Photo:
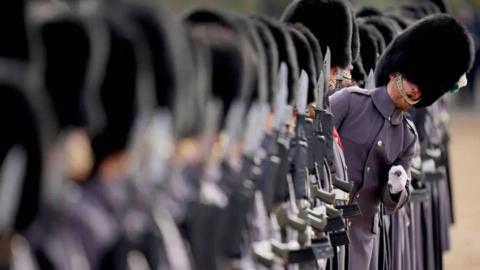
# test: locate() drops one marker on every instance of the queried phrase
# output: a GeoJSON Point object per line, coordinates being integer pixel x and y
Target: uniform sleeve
{"type": "Point", "coordinates": [394, 202]}
{"type": "Point", "coordinates": [339, 106]}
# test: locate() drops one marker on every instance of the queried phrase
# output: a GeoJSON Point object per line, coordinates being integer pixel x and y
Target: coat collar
{"type": "Point", "coordinates": [385, 106]}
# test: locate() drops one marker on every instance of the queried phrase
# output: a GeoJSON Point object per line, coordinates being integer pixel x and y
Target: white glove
{"type": "Point", "coordinates": [397, 179]}
{"type": "Point", "coordinates": [428, 166]}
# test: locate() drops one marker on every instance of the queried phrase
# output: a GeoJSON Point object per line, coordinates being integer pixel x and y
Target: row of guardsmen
{"type": "Point", "coordinates": [133, 138]}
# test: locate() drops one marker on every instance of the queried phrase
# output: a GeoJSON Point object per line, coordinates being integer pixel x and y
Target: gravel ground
{"type": "Point", "coordinates": [465, 158]}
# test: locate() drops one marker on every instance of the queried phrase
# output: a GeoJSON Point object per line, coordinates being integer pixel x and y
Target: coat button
{"type": "Point", "coordinates": [357, 196]}
{"type": "Point", "coordinates": [368, 169]}
{"type": "Point", "coordinates": [379, 143]}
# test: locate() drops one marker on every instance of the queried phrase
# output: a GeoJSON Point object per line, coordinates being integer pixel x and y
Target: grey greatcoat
{"type": "Point", "coordinates": [375, 137]}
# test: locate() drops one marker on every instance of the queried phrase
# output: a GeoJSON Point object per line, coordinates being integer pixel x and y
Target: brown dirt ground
{"type": "Point", "coordinates": [465, 158]}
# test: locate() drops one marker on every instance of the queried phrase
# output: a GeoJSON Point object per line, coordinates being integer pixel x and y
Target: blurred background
{"type": "Point", "coordinates": [464, 128]}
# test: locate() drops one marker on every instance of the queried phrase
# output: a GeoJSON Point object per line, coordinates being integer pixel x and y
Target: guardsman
{"type": "Point", "coordinates": [378, 140]}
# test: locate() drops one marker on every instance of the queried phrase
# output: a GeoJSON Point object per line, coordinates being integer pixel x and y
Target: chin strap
{"type": "Point", "coordinates": [401, 90]}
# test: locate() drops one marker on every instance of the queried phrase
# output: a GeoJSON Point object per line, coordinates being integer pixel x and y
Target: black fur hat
{"type": "Point", "coordinates": [330, 21]}
{"type": "Point", "coordinates": [430, 7]}
{"type": "Point", "coordinates": [418, 10]}
{"type": "Point", "coordinates": [21, 131]}
{"type": "Point", "coordinates": [65, 85]}
{"type": "Point", "coordinates": [286, 51]}
{"type": "Point", "coordinates": [21, 138]}
{"type": "Point", "coordinates": [13, 28]}
{"type": "Point", "coordinates": [166, 54]}
{"type": "Point", "coordinates": [232, 55]}
{"type": "Point", "coordinates": [111, 97]}
{"type": "Point", "coordinates": [402, 21]}
{"type": "Point", "coordinates": [386, 26]}
{"type": "Point", "coordinates": [314, 46]}
{"type": "Point", "coordinates": [441, 4]}
{"type": "Point", "coordinates": [305, 60]}
{"type": "Point", "coordinates": [259, 59]}
{"type": "Point", "coordinates": [433, 53]}
{"type": "Point", "coordinates": [378, 37]}
{"type": "Point", "coordinates": [411, 11]}
{"type": "Point", "coordinates": [271, 56]}
{"type": "Point", "coordinates": [227, 63]}
{"type": "Point", "coordinates": [371, 46]}
{"type": "Point", "coordinates": [206, 15]}
{"type": "Point", "coordinates": [358, 73]}
{"type": "Point", "coordinates": [368, 11]}
{"type": "Point", "coordinates": [355, 39]}
{"type": "Point", "coordinates": [167, 48]}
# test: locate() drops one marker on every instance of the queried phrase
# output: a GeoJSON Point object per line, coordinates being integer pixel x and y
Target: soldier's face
{"type": "Point", "coordinates": [412, 90]}
{"type": "Point", "coordinates": [404, 93]}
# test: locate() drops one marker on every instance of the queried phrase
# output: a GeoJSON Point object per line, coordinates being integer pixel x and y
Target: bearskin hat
{"type": "Point", "coordinates": [12, 24]}
{"type": "Point", "coordinates": [314, 46]}
{"type": "Point", "coordinates": [305, 60]}
{"type": "Point", "coordinates": [368, 11]}
{"type": "Point", "coordinates": [441, 4]}
{"type": "Point", "coordinates": [371, 46]}
{"type": "Point", "coordinates": [286, 50]}
{"type": "Point", "coordinates": [402, 21]}
{"type": "Point", "coordinates": [355, 39]}
{"type": "Point", "coordinates": [16, 113]}
{"type": "Point", "coordinates": [433, 54]}
{"type": "Point", "coordinates": [271, 56]}
{"type": "Point", "coordinates": [358, 72]}
{"type": "Point", "coordinates": [168, 57]}
{"type": "Point", "coordinates": [259, 60]}
{"type": "Point", "coordinates": [330, 21]}
{"type": "Point", "coordinates": [386, 26]}
{"type": "Point", "coordinates": [64, 86]}
{"type": "Point", "coordinates": [418, 10]}
{"type": "Point", "coordinates": [116, 95]}
{"type": "Point", "coordinates": [232, 55]}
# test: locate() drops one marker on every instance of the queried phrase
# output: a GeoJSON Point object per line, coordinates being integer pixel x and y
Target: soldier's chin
{"type": "Point", "coordinates": [401, 104]}
{"type": "Point", "coordinates": [405, 105]}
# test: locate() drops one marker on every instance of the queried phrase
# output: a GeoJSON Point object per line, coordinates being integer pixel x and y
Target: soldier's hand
{"type": "Point", "coordinates": [397, 179]}
{"type": "Point", "coordinates": [428, 166]}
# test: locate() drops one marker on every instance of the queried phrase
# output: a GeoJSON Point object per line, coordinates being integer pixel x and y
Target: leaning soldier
{"type": "Point", "coordinates": [378, 140]}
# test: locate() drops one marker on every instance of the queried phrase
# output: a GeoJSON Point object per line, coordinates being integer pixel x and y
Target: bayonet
{"type": "Point", "coordinates": [370, 84]}
{"type": "Point", "coordinates": [253, 135]}
{"type": "Point", "coordinates": [281, 97]}
{"type": "Point", "coordinates": [234, 124]}
{"type": "Point", "coordinates": [212, 117]}
{"type": "Point", "coordinates": [302, 93]}
{"type": "Point", "coordinates": [320, 91]}
{"type": "Point", "coordinates": [11, 181]}
{"type": "Point", "coordinates": [326, 71]}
